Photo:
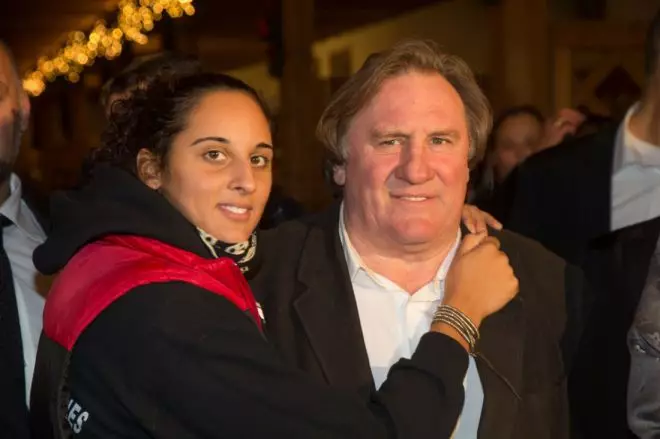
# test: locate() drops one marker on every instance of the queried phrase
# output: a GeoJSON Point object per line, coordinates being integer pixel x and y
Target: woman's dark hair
{"type": "Point", "coordinates": [151, 118]}
{"type": "Point", "coordinates": [146, 70]}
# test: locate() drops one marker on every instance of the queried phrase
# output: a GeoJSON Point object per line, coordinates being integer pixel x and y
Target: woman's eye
{"type": "Point", "coordinates": [259, 161]}
{"type": "Point", "coordinates": [215, 155]}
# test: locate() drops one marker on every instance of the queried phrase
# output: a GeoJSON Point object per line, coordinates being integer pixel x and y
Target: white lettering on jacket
{"type": "Point", "coordinates": [76, 416]}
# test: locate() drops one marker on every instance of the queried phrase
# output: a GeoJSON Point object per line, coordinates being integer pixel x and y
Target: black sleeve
{"type": "Point", "coordinates": [175, 361]}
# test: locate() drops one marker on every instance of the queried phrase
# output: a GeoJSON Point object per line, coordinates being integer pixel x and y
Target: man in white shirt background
{"type": "Point", "coordinates": [596, 202]}
{"type": "Point", "coordinates": [22, 289]}
{"type": "Point", "coordinates": [642, 139]}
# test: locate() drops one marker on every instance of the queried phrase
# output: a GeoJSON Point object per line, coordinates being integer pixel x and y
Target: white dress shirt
{"type": "Point", "coordinates": [20, 240]}
{"type": "Point", "coordinates": [393, 321]}
{"type": "Point", "coordinates": [635, 178]}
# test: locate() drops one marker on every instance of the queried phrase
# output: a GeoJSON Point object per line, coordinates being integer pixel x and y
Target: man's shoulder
{"type": "Point", "coordinates": [542, 273]}
{"type": "Point", "coordinates": [291, 235]}
{"type": "Point", "coordinates": [527, 254]}
{"type": "Point", "coordinates": [297, 247]}
{"type": "Point", "coordinates": [521, 244]}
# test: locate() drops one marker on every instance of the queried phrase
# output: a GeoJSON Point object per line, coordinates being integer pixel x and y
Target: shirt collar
{"type": "Point", "coordinates": [14, 209]}
{"type": "Point", "coordinates": [632, 150]}
{"type": "Point", "coordinates": [355, 263]}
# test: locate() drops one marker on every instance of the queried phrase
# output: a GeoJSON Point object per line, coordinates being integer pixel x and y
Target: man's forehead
{"type": "Point", "coordinates": [417, 87]}
{"type": "Point", "coordinates": [425, 102]}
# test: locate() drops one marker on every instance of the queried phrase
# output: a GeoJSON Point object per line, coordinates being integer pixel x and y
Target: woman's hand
{"type": "Point", "coordinates": [479, 283]}
{"type": "Point", "coordinates": [477, 221]}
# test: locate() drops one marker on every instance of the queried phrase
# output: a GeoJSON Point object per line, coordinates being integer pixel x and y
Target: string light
{"type": "Point", "coordinates": [134, 19]}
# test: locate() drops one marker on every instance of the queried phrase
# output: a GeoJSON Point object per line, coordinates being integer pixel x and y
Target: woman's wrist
{"type": "Point", "coordinates": [449, 331]}
{"type": "Point", "coordinates": [462, 327]}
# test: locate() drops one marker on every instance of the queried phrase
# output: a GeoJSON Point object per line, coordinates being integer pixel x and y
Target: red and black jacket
{"type": "Point", "coordinates": [100, 274]}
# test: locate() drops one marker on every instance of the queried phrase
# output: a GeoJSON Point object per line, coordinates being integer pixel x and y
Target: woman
{"type": "Point", "coordinates": [151, 331]}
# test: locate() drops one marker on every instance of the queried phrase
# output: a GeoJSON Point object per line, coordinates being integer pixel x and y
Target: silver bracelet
{"type": "Point", "coordinates": [461, 316]}
{"type": "Point", "coordinates": [460, 322]}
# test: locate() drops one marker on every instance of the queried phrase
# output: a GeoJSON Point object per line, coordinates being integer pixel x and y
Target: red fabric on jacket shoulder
{"type": "Point", "coordinates": [105, 270]}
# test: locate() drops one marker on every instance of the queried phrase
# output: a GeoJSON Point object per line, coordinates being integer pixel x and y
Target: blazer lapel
{"type": "Point", "coordinates": [328, 311]}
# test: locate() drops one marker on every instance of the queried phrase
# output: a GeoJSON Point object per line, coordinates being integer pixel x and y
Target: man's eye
{"type": "Point", "coordinates": [390, 142]}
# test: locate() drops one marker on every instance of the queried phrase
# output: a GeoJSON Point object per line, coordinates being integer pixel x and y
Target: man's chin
{"type": "Point", "coordinates": [420, 232]}
{"type": "Point", "coordinates": [412, 236]}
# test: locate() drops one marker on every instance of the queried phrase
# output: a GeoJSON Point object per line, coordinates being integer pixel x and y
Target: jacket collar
{"type": "Point", "coordinates": [327, 308]}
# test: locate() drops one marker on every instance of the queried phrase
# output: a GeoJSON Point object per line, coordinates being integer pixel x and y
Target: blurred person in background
{"type": "Point", "coordinates": [22, 289]}
{"type": "Point", "coordinates": [595, 200]}
{"type": "Point", "coordinates": [163, 338]}
{"type": "Point", "coordinates": [518, 133]}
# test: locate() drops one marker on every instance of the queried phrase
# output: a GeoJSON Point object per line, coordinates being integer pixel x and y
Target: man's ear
{"type": "Point", "coordinates": [339, 174]}
{"type": "Point", "coordinates": [149, 169]}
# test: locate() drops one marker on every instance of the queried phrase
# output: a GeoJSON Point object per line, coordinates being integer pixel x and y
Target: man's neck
{"type": "Point", "coordinates": [410, 268]}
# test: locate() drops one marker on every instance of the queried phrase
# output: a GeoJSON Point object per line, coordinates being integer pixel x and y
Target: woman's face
{"type": "Point", "coordinates": [218, 171]}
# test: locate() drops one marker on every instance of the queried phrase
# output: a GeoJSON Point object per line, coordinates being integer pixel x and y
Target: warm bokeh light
{"type": "Point", "coordinates": [134, 19]}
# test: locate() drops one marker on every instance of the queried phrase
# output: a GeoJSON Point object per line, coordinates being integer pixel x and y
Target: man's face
{"type": "Point", "coordinates": [407, 166]}
{"type": "Point", "coordinates": [14, 110]}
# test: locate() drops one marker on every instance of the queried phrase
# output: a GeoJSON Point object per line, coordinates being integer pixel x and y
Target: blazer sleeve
{"type": "Point", "coordinates": [184, 363]}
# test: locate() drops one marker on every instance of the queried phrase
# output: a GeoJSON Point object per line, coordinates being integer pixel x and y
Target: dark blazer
{"type": "Point", "coordinates": [312, 317]}
{"type": "Point", "coordinates": [562, 198]}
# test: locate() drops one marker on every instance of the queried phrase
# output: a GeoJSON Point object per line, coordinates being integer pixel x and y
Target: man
{"type": "Point", "coordinates": [644, 337]}
{"type": "Point", "coordinates": [22, 290]}
{"type": "Point", "coordinates": [348, 292]}
{"type": "Point", "coordinates": [596, 202]}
